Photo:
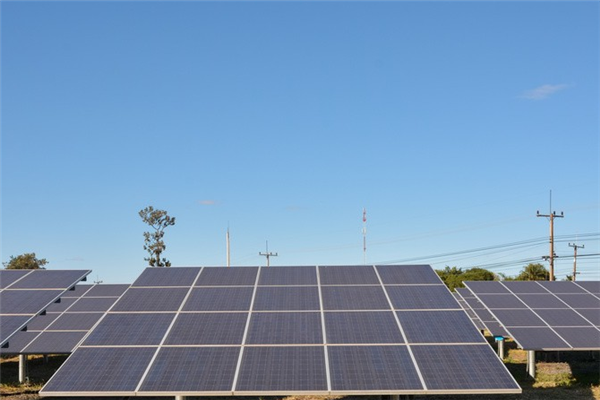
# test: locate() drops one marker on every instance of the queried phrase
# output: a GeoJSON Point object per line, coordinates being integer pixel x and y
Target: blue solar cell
{"type": "Point", "coordinates": [492, 301]}
{"type": "Point", "coordinates": [562, 287]}
{"type": "Point", "coordinates": [176, 276]}
{"type": "Point", "coordinates": [407, 274]}
{"type": "Point", "coordinates": [61, 305]}
{"type": "Point", "coordinates": [8, 277]}
{"type": "Point", "coordinates": [538, 339]}
{"type": "Point", "coordinates": [26, 301]}
{"type": "Point", "coordinates": [192, 369]}
{"type": "Point", "coordinates": [290, 298]}
{"type": "Point", "coordinates": [219, 299]}
{"type": "Point", "coordinates": [41, 322]}
{"type": "Point", "coordinates": [528, 287]}
{"type": "Point", "coordinates": [542, 301]}
{"type": "Point", "coordinates": [208, 328]}
{"type": "Point", "coordinates": [9, 324]}
{"type": "Point", "coordinates": [77, 291]}
{"type": "Point", "coordinates": [364, 368]}
{"type": "Point", "coordinates": [130, 329]}
{"type": "Point", "coordinates": [151, 299]}
{"type": "Point", "coordinates": [590, 286]}
{"type": "Point", "coordinates": [354, 298]}
{"type": "Point", "coordinates": [592, 315]}
{"type": "Point", "coordinates": [238, 276]}
{"type": "Point", "coordinates": [101, 370]}
{"type": "Point", "coordinates": [348, 275]}
{"type": "Point", "coordinates": [362, 327]}
{"type": "Point", "coordinates": [285, 328]}
{"type": "Point", "coordinates": [580, 300]}
{"type": "Point", "coordinates": [432, 297]}
{"type": "Point", "coordinates": [288, 276]}
{"type": "Point", "coordinates": [439, 327]}
{"type": "Point", "coordinates": [75, 322]}
{"type": "Point", "coordinates": [282, 369]}
{"type": "Point", "coordinates": [107, 290]}
{"type": "Point", "coordinates": [54, 279]}
{"type": "Point", "coordinates": [54, 343]}
{"type": "Point", "coordinates": [464, 367]}
{"type": "Point", "coordinates": [581, 338]}
{"type": "Point", "coordinates": [97, 304]}
{"type": "Point", "coordinates": [562, 317]}
{"type": "Point", "coordinates": [489, 287]}
{"type": "Point", "coordinates": [518, 318]}
{"type": "Point", "coordinates": [17, 342]}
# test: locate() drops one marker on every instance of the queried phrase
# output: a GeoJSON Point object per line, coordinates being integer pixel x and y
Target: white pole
{"type": "Point", "coordinates": [22, 367]}
{"type": "Point", "coordinates": [531, 363]}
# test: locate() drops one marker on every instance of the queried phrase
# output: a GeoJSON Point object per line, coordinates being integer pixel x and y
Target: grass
{"type": "Point", "coordinates": [560, 376]}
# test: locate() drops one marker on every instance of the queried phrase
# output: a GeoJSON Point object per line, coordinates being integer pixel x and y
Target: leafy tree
{"type": "Point", "coordinates": [25, 261]}
{"type": "Point", "coordinates": [153, 241]}
{"type": "Point", "coordinates": [454, 277]}
{"type": "Point", "coordinates": [533, 272]}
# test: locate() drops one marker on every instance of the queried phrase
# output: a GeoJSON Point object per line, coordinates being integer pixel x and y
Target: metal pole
{"type": "Point", "coordinates": [500, 342]}
{"type": "Point", "coordinates": [179, 397]}
{"type": "Point", "coordinates": [531, 363]}
{"type": "Point", "coordinates": [22, 368]}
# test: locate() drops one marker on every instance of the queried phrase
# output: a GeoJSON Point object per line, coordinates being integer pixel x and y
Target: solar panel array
{"type": "Point", "coordinates": [542, 315]}
{"type": "Point", "coordinates": [26, 293]}
{"type": "Point", "coordinates": [283, 330]}
{"type": "Point", "coordinates": [65, 322]}
{"type": "Point", "coordinates": [469, 311]}
{"type": "Point", "coordinates": [482, 314]}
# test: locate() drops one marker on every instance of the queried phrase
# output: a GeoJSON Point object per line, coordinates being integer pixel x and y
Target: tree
{"type": "Point", "coordinates": [454, 277]}
{"type": "Point", "coordinates": [533, 272]}
{"type": "Point", "coordinates": [25, 261]}
{"type": "Point", "coordinates": [153, 241]}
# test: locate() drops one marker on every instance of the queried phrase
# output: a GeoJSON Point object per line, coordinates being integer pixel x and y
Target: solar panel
{"type": "Point", "coordinates": [27, 293]}
{"type": "Point", "coordinates": [207, 329]}
{"type": "Point", "coordinates": [590, 286]}
{"type": "Point", "coordinates": [58, 342]}
{"type": "Point", "coordinates": [130, 329]}
{"type": "Point", "coordinates": [311, 330]}
{"type": "Point", "coordinates": [372, 369]}
{"type": "Point", "coordinates": [18, 342]}
{"type": "Point", "coordinates": [192, 369]}
{"type": "Point", "coordinates": [558, 315]}
{"type": "Point", "coordinates": [166, 277]}
{"type": "Point", "coordinates": [75, 322]}
{"type": "Point", "coordinates": [106, 290]}
{"type": "Point", "coordinates": [285, 328]}
{"type": "Point", "coordinates": [488, 321]}
{"type": "Point", "coordinates": [357, 327]}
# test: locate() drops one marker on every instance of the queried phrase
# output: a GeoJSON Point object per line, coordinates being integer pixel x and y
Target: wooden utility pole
{"type": "Point", "coordinates": [268, 255]}
{"type": "Point", "coordinates": [551, 215]}
{"type": "Point", "coordinates": [575, 247]}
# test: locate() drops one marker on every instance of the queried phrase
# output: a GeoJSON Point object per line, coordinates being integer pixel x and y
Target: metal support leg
{"type": "Point", "coordinates": [22, 368]}
{"type": "Point", "coordinates": [531, 363]}
{"type": "Point", "coordinates": [395, 397]}
{"type": "Point", "coordinates": [179, 397]}
{"type": "Point", "coordinates": [500, 348]}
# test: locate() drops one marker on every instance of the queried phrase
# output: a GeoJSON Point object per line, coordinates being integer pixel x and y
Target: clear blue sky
{"type": "Point", "coordinates": [450, 122]}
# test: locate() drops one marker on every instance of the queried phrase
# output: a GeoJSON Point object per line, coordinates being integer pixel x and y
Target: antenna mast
{"type": "Point", "coordinates": [364, 232]}
{"type": "Point", "coordinates": [228, 248]}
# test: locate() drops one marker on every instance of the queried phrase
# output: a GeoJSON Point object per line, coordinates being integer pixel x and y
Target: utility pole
{"type": "Point", "coordinates": [575, 247]}
{"type": "Point", "coordinates": [268, 255]}
{"type": "Point", "coordinates": [551, 215]}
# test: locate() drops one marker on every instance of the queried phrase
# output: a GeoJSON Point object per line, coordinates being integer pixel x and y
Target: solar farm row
{"type": "Point", "coordinates": [283, 330]}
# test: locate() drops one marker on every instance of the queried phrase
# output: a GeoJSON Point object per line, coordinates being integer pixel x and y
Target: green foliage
{"type": "Point", "coordinates": [454, 277]}
{"type": "Point", "coordinates": [533, 272]}
{"type": "Point", "coordinates": [153, 241]}
{"type": "Point", "coordinates": [25, 261]}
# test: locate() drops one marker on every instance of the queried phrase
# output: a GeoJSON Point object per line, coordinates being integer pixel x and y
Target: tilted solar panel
{"type": "Point", "coordinates": [320, 330]}
{"type": "Point", "coordinates": [27, 293]}
{"type": "Point", "coordinates": [544, 315]}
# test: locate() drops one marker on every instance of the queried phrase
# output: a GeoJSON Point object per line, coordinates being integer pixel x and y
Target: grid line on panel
{"type": "Point", "coordinates": [324, 332]}
{"type": "Point", "coordinates": [410, 352]}
{"type": "Point", "coordinates": [137, 388]}
{"type": "Point", "coordinates": [246, 328]}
